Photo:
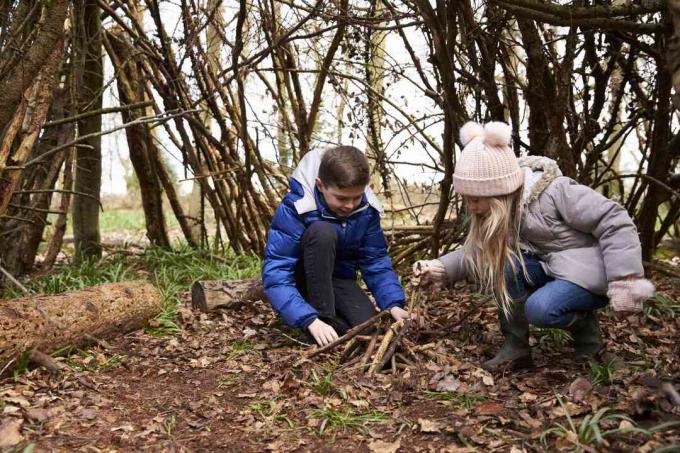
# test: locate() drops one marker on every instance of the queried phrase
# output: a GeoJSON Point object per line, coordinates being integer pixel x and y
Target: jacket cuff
{"type": "Point", "coordinates": [306, 321]}
{"type": "Point", "coordinates": [396, 303]}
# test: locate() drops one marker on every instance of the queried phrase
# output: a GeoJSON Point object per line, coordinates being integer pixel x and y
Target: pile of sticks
{"type": "Point", "coordinates": [386, 349]}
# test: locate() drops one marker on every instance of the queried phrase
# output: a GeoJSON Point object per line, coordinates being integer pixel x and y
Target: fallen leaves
{"type": "Point", "coordinates": [379, 446]}
{"type": "Point", "coordinates": [429, 426]}
{"type": "Point", "coordinates": [580, 389]}
{"type": "Point", "coordinates": [10, 432]}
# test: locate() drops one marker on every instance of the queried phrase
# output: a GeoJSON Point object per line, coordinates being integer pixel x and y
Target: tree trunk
{"type": "Point", "coordinates": [49, 323]}
{"type": "Point", "coordinates": [23, 130]}
{"type": "Point", "coordinates": [34, 55]}
{"type": "Point", "coordinates": [673, 50]}
{"type": "Point", "coordinates": [140, 140]}
{"type": "Point", "coordinates": [375, 73]}
{"type": "Point", "coordinates": [208, 295]}
{"type": "Point", "coordinates": [88, 153]}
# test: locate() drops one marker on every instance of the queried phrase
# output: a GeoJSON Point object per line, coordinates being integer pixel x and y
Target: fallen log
{"type": "Point", "coordinates": [75, 318]}
{"type": "Point", "coordinates": [211, 294]}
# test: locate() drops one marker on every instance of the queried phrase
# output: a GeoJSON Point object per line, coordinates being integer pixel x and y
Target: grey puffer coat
{"type": "Point", "coordinates": [578, 234]}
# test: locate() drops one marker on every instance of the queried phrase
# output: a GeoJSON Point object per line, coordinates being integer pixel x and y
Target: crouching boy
{"type": "Point", "coordinates": [325, 229]}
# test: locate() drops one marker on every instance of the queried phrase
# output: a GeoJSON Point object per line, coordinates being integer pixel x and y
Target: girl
{"type": "Point", "coordinates": [550, 250]}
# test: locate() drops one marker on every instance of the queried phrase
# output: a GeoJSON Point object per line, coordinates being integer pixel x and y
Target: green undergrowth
{"type": "Point", "coordinates": [172, 271]}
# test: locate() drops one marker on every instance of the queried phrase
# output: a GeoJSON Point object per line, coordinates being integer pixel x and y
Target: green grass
{"type": "Point", "coordinates": [598, 429]}
{"type": "Point", "coordinates": [602, 373]}
{"type": "Point", "coordinates": [86, 360]}
{"type": "Point", "coordinates": [455, 399]}
{"type": "Point", "coordinates": [551, 337]}
{"type": "Point", "coordinates": [238, 348]}
{"type": "Point", "coordinates": [175, 271]}
{"type": "Point", "coordinates": [70, 278]}
{"type": "Point", "coordinates": [322, 385]}
{"type": "Point", "coordinates": [270, 410]}
{"type": "Point", "coordinates": [661, 306]}
{"type": "Point", "coordinates": [333, 419]}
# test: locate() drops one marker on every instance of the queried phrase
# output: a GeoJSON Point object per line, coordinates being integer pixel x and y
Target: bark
{"type": "Point", "coordinates": [20, 77]}
{"type": "Point", "coordinates": [673, 50]}
{"type": "Point", "coordinates": [54, 245]}
{"type": "Point", "coordinates": [375, 73]}
{"type": "Point", "coordinates": [659, 162]}
{"type": "Point", "coordinates": [22, 132]}
{"type": "Point", "coordinates": [88, 153]}
{"type": "Point", "coordinates": [140, 140]}
{"type": "Point", "coordinates": [75, 318]}
{"type": "Point", "coordinates": [209, 295]}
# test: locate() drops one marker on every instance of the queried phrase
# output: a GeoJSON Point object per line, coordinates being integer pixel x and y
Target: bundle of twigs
{"type": "Point", "coordinates": [385, 349]}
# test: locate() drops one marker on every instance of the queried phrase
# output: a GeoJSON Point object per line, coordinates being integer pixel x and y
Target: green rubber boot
{"type": "Point", "coordinates": [515, 352]}
{"type": "Point", "coordinates": [586, 333]}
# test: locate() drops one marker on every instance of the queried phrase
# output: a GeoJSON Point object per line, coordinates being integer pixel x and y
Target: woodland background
{"type": "Point", "coordinates": [210, 105]}
{"type": "Point", "coordinates": [227, 96]}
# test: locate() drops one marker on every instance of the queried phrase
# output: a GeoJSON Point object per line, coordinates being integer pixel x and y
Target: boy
{"type": "Point", "coordinates": [326, 228]}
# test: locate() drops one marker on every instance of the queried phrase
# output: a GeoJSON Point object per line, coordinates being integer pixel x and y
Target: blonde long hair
{"type": "Point", "coordinates": [493, 242]}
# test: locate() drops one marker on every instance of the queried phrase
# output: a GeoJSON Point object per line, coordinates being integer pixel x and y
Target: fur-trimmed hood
{"type": "Point", "coordinates": [539, 173]}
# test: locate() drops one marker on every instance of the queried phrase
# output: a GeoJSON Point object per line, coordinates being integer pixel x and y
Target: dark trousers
{"type": "Point", "coordinates": [341, 302]}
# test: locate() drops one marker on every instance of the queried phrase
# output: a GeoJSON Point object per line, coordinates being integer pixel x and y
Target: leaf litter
{"type": "Point", "coordinates": [226, 381]}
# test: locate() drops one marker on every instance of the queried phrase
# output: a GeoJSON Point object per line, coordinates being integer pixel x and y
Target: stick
{"type": "Point", "coordinates": [354, 331]}
{"type": "Point", "coordinates": [383, 346]}
{"type": "Point", "coordinates": [44, 360]}
{"type": "Point", "coordinates": [393, 345]}
{"type": "Point", "coordinates": [369, 350]}
{"type": "Point", "coordinates": [671, 393]}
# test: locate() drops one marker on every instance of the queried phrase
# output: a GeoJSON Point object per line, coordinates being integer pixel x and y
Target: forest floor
{"type": "Point", "coordinates": [225, 381]}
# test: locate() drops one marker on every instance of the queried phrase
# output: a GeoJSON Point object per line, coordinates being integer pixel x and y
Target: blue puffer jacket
{"type": "Point", "coordinates": [361, 246]}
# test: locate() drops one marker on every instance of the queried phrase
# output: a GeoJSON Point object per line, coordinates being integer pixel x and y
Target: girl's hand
{"type": "Point", "coordinates": [429, 272]}
{"type": "Point", "coordinates": [629, 293]}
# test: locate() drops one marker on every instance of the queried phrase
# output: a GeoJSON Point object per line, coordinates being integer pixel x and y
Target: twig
{"type": "Point", "coordinates": [14, 280]}
{"type": "Point", "coordinates": [46, 361]}
{"type": "Point", "coordinates": [670, 392]}
{"type": "Point", "coordinates": [7, 365]}
{"type": "Point", "coordinates": [661, 268]}
{"type": "Point", "coordinates": [377, 360]}
{"type": "Point", "coordinates": [354, 331]}
{"type": "Point", "coordinates": [389, 354]}
{"type": "Point", "coordinates": [369, 350]}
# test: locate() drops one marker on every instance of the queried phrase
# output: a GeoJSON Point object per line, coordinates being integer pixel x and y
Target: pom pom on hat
{"type": "Point", "coordinates": [497, 133]}
{"type": "Point", "coordinates": [469, 131]}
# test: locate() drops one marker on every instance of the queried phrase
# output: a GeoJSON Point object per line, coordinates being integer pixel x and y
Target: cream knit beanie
{"type": "Point", "coordinates": [487, 167]}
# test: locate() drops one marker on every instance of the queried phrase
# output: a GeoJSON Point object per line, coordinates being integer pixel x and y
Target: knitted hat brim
{"type": "Point", "coordinates": [491, 187]}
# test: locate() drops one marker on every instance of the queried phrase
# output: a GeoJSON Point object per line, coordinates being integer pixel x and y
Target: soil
{"type": "Point", "coordinates": [227, 382]}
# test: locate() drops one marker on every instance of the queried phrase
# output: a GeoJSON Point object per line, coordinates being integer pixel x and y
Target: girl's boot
{"type": "Point", "coordinates": [515, 352]}
{"type": "Point", "coordinates": [586, 333]}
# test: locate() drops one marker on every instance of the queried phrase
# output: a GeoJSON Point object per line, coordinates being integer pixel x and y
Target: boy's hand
{"type": "Point", "coordinates": [323, 333]}
{"type": "Point", "coordinates": [399, 313]}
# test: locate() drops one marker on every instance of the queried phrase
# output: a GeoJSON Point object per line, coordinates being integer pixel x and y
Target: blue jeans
{"type": "Point", "coordinates": [551, 302]}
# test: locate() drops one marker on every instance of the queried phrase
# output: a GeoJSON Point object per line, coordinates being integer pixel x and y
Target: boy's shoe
{"type": "Point", "coordinates": [515, 352]}
{"type": "Point", "coordinates": [586, 333]}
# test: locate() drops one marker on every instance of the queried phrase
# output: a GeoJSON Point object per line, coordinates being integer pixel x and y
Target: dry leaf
{"type": "Point", "coordinates": [10, 433]}
{"type": "Point", "coordinates": [379, 446]}
{"type": "Point", "coordinates": [490, 409]}
{"type": "Point", "coordinates": [429, 426]}
{"type": "Point", "coordinates": [38, 415]}
{"type": "Point", "coordinates": [527, 397]}
{"type": "Point", "coordinates": [579, 389]}
{"type": "Point", "coordinates": [448, 384]}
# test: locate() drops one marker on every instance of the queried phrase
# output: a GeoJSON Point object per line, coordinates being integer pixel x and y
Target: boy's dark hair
{"type": "Point", "coordinates": [343, 167]}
